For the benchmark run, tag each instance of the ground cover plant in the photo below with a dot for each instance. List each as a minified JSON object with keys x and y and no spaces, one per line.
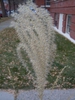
{"x":9,"y":61}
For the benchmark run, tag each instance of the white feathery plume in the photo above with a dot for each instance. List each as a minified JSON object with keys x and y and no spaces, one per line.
{"x":34,"y":28}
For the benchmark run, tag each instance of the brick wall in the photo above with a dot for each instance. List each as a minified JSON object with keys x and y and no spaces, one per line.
{"x":40,"y":2}
{"x":65,"y":7}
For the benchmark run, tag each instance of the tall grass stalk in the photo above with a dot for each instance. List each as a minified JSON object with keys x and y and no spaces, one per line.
{"x":34,"y":29}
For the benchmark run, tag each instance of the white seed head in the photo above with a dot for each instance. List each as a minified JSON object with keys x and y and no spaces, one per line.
{"x":34,"y":29}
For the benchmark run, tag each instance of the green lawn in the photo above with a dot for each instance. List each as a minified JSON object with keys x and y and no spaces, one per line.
{"x":14,"y":75}
{"x":65,"y":56}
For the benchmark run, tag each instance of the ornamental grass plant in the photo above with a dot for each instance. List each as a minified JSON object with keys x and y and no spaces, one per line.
{"x":34,"y":28}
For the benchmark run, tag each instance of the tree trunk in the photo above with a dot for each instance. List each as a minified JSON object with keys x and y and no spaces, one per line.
{"x":9,"y":7}
{"x":14,"y":4}
{"x":3,"y":9}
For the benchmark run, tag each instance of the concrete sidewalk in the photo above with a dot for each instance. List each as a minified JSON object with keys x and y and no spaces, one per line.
{"x":55,"y":94}
{"x":5,"y":24}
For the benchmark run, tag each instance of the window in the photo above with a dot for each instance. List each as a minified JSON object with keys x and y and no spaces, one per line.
{"x":56,"y":18}
{"x":34,"y":1}
{"x":55,"y":0}
{"x":48,"y":3}
{"x":68,"y":24}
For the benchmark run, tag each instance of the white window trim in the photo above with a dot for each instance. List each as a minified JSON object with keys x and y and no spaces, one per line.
{"x":47,"y":6}
{"x":65,"y":35}
{"x":42,"y":6}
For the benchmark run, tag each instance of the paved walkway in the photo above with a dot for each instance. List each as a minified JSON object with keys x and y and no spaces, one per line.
{"x":5,"y":24}
{"x":33,"y":95}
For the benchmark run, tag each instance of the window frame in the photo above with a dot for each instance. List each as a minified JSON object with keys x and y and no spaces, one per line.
{"x":68,"y":24}
{"x":46,"y":3}
{"x":56,"y":19}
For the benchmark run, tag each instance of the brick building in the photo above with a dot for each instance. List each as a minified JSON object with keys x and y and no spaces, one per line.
{"x":63,"y":13}
{"x":43,"y":3}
